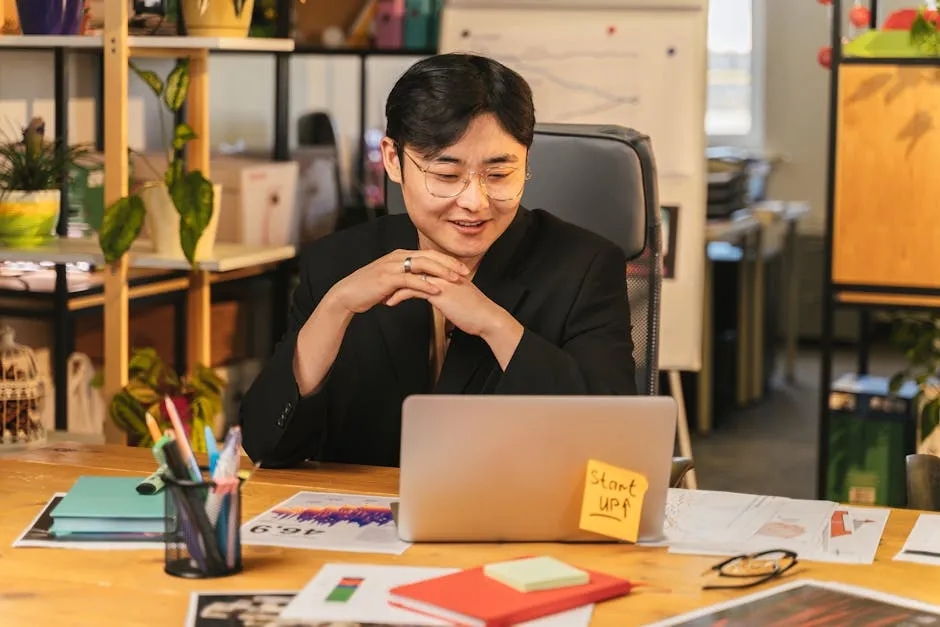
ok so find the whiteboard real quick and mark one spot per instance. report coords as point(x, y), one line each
point(643, 69)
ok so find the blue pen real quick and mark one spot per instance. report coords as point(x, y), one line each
point(212, 449)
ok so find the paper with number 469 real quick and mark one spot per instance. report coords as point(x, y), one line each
point(612, 501)
point(328, 522)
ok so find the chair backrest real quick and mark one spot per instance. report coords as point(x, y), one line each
point(602, 178)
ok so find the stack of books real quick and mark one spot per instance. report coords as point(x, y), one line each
point(108, 508)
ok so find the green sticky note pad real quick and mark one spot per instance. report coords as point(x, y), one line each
point(536, 573)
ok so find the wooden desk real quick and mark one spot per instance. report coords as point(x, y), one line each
point(129, 588)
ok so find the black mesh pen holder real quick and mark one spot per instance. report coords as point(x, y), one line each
point(202, 528)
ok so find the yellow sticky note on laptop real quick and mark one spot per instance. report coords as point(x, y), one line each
point(613, 501)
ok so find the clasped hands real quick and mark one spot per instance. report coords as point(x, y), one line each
point(440, 279)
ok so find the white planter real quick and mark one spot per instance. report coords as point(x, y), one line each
point(163, 222)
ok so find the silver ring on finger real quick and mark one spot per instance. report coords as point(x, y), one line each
point(425, 277)
point(406, 265)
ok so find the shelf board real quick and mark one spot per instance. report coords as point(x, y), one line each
point(731, 229)
point(922, 61)
point(240, 44)
point(43, 42)
point(154, 42)
point(363, 52)
point(226, 257)
point(875, 300)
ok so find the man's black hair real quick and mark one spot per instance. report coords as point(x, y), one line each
point(433, 103)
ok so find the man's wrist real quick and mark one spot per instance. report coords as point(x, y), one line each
point(503, 335)
point(331, 307)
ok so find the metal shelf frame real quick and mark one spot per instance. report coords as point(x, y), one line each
point(832, 302)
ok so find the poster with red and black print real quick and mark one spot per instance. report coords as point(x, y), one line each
point(812, 604)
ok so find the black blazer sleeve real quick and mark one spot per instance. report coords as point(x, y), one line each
point(596, 353)
point(279, 427)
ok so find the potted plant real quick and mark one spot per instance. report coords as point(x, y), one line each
point(197, 399)
point(51, 17)
point(918, 335)
point(181, 208)
point(31, 172)
point(217, 18)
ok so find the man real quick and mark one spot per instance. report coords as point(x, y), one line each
point(469, 293)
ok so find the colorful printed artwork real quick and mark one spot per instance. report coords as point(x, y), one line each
point(328, 522)
point(362, 515)
point(344, 590)
point(839, 528)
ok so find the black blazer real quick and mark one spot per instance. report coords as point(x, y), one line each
point(565, 285)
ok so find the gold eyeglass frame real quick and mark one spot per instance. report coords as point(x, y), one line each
point(466, 181)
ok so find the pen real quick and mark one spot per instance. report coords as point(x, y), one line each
point(212, 449)
point(157, 449)
point(153, 483)
point(154, 428)
point(186, 450)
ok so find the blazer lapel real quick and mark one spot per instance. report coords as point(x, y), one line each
point(405, 328)
point(494, 277)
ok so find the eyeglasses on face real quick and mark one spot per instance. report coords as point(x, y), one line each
point(449, 180)
point(747, 571)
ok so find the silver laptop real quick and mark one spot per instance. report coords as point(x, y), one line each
point(490, 468)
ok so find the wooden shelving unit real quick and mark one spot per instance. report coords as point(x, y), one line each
point(118, 49)
point(116, 40)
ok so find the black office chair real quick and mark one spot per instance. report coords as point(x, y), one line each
point(603, 178)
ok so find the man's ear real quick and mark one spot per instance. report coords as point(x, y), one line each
point(390, 159)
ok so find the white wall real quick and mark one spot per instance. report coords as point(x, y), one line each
point(241, 96)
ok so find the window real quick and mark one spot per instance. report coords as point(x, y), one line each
point(733, 109)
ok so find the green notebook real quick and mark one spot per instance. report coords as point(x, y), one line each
point(536, 573)
point(108, 504)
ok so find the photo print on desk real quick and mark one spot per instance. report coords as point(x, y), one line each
point(236, 609)
point(805, 602)
point(38, 535)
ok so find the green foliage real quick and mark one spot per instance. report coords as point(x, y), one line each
point(924, 35)
point(150, 380)
point(918, 335)
point(191, 192)
point(120, 226)
point(32, 164)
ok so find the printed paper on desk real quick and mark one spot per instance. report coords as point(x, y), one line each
point(358, 594)
point(854, 535)
point(328, 522)
point(612, 501)
point(923, 542)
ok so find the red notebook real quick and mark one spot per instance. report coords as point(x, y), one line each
point(471, 598)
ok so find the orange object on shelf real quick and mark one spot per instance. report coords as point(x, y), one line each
point(903, 19)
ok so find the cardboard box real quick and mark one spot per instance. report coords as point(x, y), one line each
point(259, 198)
point(259, 201)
